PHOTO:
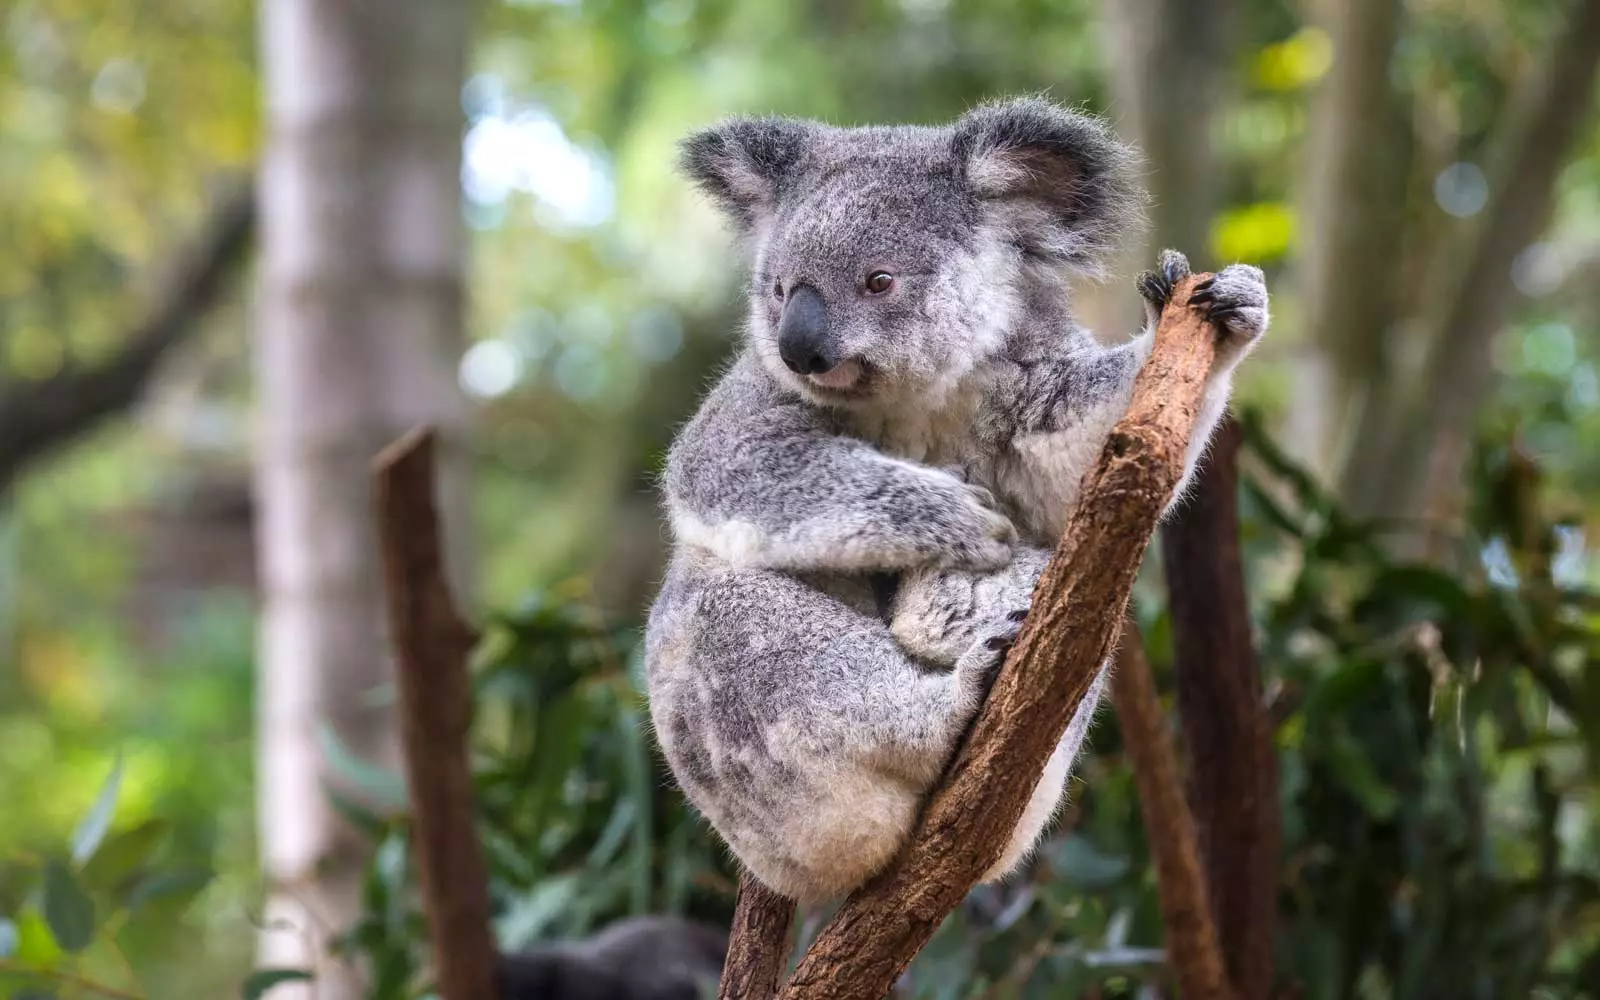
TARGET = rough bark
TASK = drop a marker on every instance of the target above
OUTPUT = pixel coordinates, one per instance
(359, 332)
(37, 417)
(1078, 609)
(1191, 937)
(1356, 179)
(1412, 466)
(759, 943)
(431, 644)
(1233, 772)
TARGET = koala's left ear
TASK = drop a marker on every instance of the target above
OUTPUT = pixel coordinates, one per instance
(744, 163)
(1059, 180)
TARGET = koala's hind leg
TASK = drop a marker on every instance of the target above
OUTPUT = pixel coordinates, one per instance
(797, 726)
(935, 615)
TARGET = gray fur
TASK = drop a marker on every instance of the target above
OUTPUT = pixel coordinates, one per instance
(803, 721)
(641, 958)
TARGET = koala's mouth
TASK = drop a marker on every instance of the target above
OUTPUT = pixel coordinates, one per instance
(843, 377)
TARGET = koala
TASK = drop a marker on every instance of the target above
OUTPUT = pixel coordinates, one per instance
(913, 402)
(643, 958)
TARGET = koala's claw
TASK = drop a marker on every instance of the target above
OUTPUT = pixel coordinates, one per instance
(1156, 286)
(1236, 301)
(1019, 615)
(982, 661)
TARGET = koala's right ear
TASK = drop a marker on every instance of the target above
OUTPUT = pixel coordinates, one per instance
(744, 163)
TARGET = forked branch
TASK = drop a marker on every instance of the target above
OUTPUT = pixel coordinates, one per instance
(1078, 607)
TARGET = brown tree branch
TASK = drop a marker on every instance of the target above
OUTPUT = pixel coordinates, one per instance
(431, 646)
(759, 943)
(1233, 773)
(1191, 937)
(1078, 609)
(39, 416)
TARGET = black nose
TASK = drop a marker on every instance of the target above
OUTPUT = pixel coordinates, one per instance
(803, 339)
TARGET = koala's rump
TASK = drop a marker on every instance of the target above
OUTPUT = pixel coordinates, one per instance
(756, 684)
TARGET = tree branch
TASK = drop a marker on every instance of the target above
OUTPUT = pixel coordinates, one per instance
(759, 943)
(431, 646)
(1233, 773)
(1078, 608)
(39, 416)
(1191, 937)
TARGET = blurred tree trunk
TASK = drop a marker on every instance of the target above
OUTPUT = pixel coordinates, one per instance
(1356, 179)
(360, 325)
(1412, 463)
(1170, 69)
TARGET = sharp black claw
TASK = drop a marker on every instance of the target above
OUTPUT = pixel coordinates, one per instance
(1204, 285)
(1223, 312)
(1154, 288)
(1017, 616)
(996, 643)
(1201, 297)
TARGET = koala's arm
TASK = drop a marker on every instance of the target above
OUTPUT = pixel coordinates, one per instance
(1078, 395)
(761, 480)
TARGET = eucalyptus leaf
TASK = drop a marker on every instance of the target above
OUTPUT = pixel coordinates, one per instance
(384, 788)
(67, 908)
(260, 981)
(97, 821)
(120, 858)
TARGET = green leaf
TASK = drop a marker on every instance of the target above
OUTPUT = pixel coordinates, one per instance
(384, 788)
(67, 909)
(173, 891)
(36, 946)
(122, 856)
(10, 937)
(1083, 865)
(92, 828)
(260, 981)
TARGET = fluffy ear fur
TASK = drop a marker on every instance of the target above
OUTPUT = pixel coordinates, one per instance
(744, 163)
(1058, 180)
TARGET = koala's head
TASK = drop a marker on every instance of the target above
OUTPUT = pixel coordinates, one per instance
(892, 260)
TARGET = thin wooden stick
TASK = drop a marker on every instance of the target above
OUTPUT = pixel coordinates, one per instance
(1191, 937)
(1078, 605)
(431, 646)
(1233, 767)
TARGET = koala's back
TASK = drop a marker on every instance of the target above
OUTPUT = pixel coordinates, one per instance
(760, 684)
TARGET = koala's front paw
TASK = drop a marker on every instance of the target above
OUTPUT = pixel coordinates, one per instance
(979, 537)
(1156, 286)
(1236, 300)
(980, 664)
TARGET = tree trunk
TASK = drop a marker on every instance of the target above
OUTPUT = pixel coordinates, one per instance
(359, 331)
(1412, 466)
(1169, 73)
(1356, 179)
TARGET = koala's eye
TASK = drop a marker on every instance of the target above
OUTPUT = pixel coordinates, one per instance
(879, 282)
(777, 290)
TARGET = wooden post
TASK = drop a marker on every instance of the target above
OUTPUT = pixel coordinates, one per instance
(431, 646)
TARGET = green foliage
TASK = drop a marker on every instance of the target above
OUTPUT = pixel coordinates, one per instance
(579, 821)
(60, 918)
(1437, 734)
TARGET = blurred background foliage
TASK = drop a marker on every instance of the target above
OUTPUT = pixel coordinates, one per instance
(1439, 723)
